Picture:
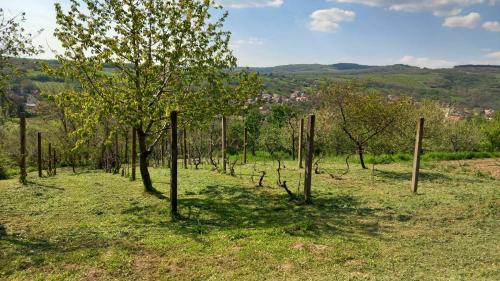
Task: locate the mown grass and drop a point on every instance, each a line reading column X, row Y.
column 96, row 226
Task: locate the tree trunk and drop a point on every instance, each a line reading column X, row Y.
column 134, row 152
column 309, row 159
column 293, row 147
column 173, row 164
column 361, row 158
column 224, row 127
column 143, row 162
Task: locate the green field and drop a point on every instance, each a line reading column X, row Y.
column 97, row 226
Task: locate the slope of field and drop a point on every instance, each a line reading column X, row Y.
column 96, row 226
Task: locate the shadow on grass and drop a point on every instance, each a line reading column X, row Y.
column 239, row 209
column 156, row 194
column 45, row 185
column 406, row 176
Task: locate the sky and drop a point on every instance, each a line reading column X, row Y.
column 424, row 33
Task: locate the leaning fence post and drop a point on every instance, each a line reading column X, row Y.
column 416, row 157
column 309, row 159
column 22, row 163
column 39, row 152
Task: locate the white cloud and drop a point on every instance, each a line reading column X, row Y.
column 252, row 41
column 426, row 62
column 240, row 4
column 494, row 55
column 437, row 7
column 328, row 20
column 468, row 21
column 492, row 26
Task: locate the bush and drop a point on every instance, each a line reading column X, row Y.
column 442, row 156
column 3, row 173
column 4, row 164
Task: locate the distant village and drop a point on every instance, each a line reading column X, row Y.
column 267, row 99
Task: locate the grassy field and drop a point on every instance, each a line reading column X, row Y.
column 96, row 226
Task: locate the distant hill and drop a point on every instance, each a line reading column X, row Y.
column 471, row 86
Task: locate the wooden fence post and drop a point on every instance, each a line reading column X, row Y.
column 49, row 171
column 134, row 152
column 416, row 157
column 173, row 164
column 39, row 152
column 184, row 145
column 22, row 163
column 224, row 127
column 54, row 157
column 309, row 159
column 126, row 152
column 162, row 152
column 301, row 142
column 245, row 144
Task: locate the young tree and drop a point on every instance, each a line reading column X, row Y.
column 14, row 42
column 161, row 56
column 364, row 115
column 253, row 123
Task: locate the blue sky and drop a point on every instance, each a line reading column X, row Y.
column 426, row 33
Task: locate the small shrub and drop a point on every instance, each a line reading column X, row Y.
column 3, row 173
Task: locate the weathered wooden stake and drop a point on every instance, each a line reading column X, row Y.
column 22, row 163
column 134, row 152
column 162, row 152
column 54, row 157
column 416, row 157
column 173, row 164
column 309, row 159
column 39, row 152
column 49, row 171
column 224, row 125
column 301, row 142
column 184, row 145
column 126, row 152
column 245, row 144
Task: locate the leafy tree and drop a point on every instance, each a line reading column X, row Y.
column 14, row 42
column 462, row 135
column 491, row 130
column 253, row 123
column 365, row 116
column 165, row 55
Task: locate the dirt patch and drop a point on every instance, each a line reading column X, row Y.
column 93, row 274
column 488, row 167
column 285, row 267
column 316, row 248
column 298, row 246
